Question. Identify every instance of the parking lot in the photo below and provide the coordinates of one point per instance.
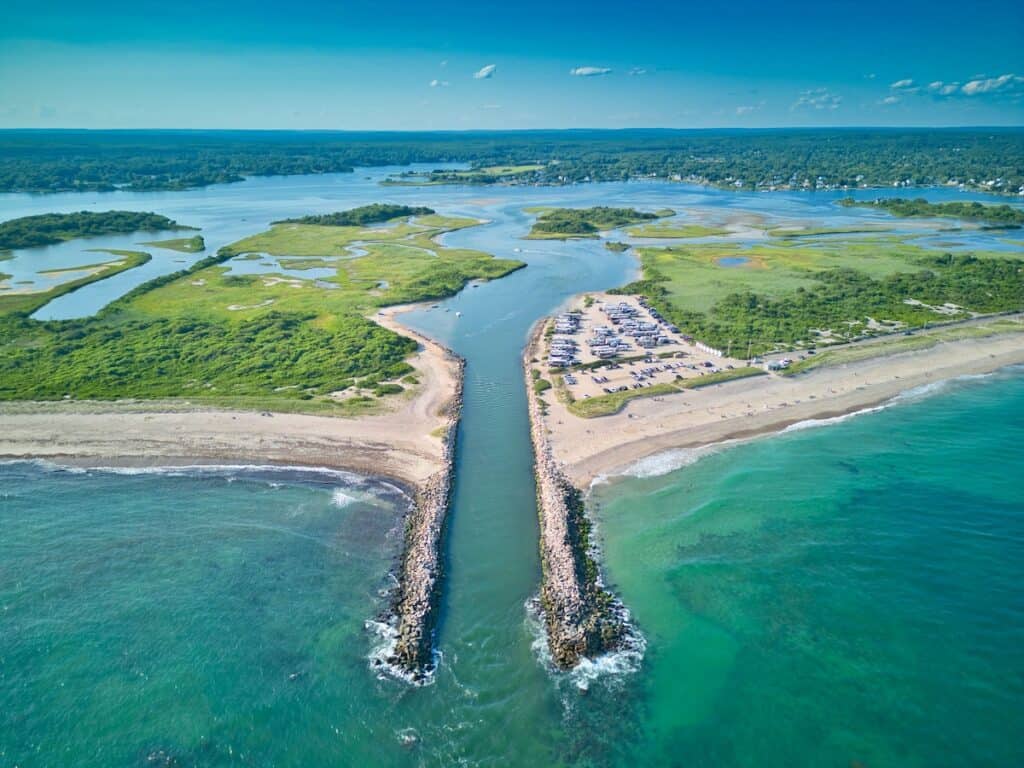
(611, 343)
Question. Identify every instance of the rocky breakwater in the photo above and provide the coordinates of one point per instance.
(581, 617)
(414, 601)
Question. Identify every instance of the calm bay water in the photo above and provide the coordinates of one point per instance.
(849, 593)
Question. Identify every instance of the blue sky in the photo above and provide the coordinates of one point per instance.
(463, 65)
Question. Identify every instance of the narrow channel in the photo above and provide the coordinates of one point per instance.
(491, 558)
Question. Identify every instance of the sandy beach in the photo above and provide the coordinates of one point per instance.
(402, 443)
(590, 448)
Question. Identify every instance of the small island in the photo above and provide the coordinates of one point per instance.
(1003, 216)
(482, 175)
(362, 216)
(193, 244)
(51, 228)
(567, 223)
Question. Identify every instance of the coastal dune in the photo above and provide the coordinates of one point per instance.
(402, 444)
(590, 448)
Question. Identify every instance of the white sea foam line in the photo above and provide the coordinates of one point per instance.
(812, 423)
(676, 458)
(230, 472)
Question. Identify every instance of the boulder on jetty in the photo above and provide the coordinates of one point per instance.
(581, 617)
(415, 598)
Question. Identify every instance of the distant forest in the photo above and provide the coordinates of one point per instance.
(990, 159)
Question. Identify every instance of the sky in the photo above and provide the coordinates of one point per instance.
(445, 65)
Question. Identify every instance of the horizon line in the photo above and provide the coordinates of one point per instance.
(411, 131)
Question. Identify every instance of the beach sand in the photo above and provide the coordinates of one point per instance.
(402, 444)
(590, 448)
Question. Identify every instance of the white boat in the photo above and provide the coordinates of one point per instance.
(458, 314)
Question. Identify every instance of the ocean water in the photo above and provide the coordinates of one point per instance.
(851, 594)
(827, 597)
(848, 594)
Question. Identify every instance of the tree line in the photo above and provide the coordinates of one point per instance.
(990, 159)
(50, 228)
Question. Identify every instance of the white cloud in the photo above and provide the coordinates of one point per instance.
(870, 76)
(444, 63)
(1001, 84)
(485, 73)
(589, 71)
(438, 83)
(902, 85)
(638, 71)
(943, 89)
(890, 100)
(818, 98)
(746, 109)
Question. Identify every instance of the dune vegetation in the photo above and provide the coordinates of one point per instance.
(675, 230)
(273, 341)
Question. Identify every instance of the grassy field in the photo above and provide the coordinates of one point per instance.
(182, 244)
(790, 232)
(784, 294)
(270, 341)
(675, 230)
(697, 280)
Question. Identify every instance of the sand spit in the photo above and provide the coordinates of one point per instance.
(590, 448)
(412, 444)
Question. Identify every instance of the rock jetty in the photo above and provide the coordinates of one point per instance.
(582, 618)
(414, 600)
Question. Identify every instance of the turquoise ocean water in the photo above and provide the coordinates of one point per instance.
(837, 596)
(851, 594)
